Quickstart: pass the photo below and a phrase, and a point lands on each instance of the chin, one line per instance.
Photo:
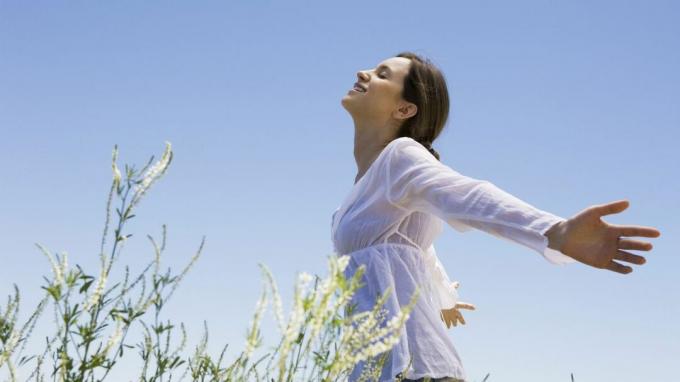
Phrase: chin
(350, 104)
(346, 104)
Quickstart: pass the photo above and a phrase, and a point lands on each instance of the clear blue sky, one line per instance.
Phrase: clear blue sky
(563, 105)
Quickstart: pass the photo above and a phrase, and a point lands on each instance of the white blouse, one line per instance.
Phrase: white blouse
(388, 223)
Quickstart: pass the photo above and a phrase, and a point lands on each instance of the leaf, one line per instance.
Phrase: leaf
(85, 286)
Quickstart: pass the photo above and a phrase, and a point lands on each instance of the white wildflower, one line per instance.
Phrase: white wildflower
(343, 261)
(64, 262)
(305, 278)
(152, 174)
(278, 305)
(99, 289)
(56, 269)
(322, 297)
(295, 322)
(370, 335)
(116, 172)
(252, 340)
(115, 337)
(9, 347)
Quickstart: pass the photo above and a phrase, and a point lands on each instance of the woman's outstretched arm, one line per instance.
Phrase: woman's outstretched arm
(418, 182)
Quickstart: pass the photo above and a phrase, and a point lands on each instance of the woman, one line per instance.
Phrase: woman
(403, 193)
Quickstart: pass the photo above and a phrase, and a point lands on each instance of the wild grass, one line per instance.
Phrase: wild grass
(92, 318)
(322, 337)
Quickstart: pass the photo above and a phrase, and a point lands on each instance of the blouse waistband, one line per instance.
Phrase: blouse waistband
(418, 248)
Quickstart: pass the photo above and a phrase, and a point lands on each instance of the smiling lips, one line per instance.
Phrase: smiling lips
(358, 87)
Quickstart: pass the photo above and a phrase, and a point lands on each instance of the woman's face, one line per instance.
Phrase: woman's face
(380, 103)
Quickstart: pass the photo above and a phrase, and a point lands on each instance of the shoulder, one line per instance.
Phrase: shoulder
(406, 149)
(405, 158)
(403, 141)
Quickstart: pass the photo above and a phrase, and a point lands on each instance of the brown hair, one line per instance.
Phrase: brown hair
(425, 86)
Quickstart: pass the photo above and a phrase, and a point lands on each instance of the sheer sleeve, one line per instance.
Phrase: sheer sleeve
(443, 293)
(417, 181)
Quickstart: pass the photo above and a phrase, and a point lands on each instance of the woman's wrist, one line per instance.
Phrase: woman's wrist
(555, 235)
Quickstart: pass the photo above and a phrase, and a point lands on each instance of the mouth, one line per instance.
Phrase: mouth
(359, 88)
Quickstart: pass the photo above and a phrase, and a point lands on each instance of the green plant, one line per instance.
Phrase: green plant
(322, 338)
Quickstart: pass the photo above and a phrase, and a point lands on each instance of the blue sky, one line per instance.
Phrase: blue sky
(564, 105)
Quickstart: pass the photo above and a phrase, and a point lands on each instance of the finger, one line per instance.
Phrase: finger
(446, 319)
(619, 268)
(634, 244)
(629, 257)
(458, 317)
(637, 230)
(462, 320)
(610, 208)
(464, 305)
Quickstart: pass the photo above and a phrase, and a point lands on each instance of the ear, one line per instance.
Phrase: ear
(405, 110)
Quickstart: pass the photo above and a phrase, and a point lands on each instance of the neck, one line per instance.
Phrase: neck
(368, 143)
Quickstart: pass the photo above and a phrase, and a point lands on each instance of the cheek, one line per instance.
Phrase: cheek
(385, 95)
(390, 91)
(378, 104)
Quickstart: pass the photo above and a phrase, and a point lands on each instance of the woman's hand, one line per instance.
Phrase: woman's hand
(588, 239)
(453, 315)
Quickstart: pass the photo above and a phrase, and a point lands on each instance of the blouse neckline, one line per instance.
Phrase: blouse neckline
(377, 158)
(342, 209)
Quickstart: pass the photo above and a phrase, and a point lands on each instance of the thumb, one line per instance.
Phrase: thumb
(612, 207)
(465, 305)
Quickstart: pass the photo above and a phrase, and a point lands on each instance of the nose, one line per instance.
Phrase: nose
(362, 75)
